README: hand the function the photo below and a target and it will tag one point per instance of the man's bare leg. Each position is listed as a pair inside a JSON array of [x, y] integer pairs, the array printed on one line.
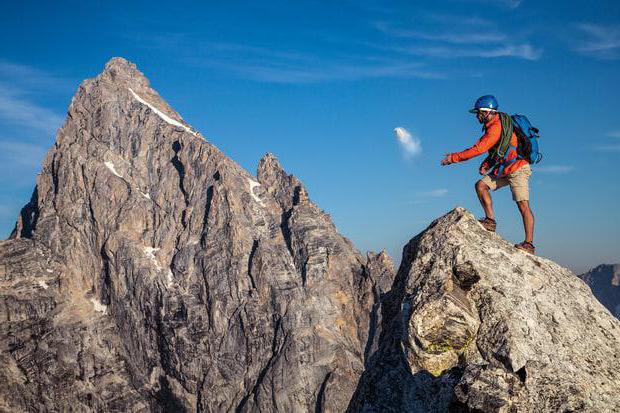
[[528, 220], [484, 196]]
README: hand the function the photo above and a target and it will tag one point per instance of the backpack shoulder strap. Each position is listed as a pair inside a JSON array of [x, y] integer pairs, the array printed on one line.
[[507, 130], [501, 147]]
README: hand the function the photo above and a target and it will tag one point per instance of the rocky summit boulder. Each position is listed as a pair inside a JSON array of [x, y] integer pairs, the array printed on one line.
[[473, 324], [150, 272]]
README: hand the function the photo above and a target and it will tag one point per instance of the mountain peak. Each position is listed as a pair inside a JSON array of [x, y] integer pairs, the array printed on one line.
[[119, 68], [604, 281], [157, 274]]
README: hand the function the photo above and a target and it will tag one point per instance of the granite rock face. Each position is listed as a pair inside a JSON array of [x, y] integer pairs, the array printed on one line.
[[473, 324], [150, 272], [604, 281]]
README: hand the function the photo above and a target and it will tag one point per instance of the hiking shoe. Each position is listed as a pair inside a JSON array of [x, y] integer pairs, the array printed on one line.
[[527, 247], [488, 224]]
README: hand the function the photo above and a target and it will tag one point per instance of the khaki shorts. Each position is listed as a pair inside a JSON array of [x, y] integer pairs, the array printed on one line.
[[518, 181]]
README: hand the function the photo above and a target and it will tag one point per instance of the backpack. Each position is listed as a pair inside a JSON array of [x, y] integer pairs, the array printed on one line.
[[528, 139], [527, 142]]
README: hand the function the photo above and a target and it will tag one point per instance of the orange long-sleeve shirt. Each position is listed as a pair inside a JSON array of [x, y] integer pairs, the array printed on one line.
[[492, 135]]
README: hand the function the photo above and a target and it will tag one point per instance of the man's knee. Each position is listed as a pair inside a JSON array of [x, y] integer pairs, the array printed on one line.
[[481, 187], [524, 206]]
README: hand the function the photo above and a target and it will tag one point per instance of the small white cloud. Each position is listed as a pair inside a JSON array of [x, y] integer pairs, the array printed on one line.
[[614, 134], [410, 144], [435, 193], [554, 169]]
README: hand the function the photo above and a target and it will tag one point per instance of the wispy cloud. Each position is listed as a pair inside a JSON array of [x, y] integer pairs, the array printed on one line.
[[608, 148], [297, 72], [454, 36], [288, 67], [21, 154], [554, 169], [435, 193], [372, 6], [602, 42], [522, 51], [426, 197], [458, 20], [508, 4], [511, 4], [614, 147], [19, 163], [27, 77], [275, 65], [449, 36], [27, 114], [28, 126], [410, 144], [17, 84]]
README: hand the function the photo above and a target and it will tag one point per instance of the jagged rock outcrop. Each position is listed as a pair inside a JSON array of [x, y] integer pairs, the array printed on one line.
[[473, 324], [150, 272], [604, 281]]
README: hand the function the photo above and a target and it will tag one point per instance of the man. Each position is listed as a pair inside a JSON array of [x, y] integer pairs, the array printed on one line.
[[514, 171]]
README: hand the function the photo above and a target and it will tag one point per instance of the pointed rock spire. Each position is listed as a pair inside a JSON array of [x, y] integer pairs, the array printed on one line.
[[287, 189]]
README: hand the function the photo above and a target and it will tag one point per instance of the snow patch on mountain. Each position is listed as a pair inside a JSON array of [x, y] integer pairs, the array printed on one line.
[[111, 167], [161, 114], [254, 184]]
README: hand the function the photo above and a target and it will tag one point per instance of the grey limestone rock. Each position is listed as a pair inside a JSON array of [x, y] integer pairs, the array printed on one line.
[[150, 272], [473, 324]]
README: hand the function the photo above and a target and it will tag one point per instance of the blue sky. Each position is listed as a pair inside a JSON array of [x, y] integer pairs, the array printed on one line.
[[323, 85]]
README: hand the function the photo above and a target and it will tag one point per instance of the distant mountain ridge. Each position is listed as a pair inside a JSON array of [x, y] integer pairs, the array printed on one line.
[[604, 280]]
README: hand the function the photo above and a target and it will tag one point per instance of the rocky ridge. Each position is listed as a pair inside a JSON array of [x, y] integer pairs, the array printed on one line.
[[150, 272], [604, 280]]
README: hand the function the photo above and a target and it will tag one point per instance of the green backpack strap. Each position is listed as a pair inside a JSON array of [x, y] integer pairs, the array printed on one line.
[[499, 150]]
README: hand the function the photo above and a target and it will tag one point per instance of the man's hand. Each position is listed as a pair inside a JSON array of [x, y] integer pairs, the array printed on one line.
[[446, 160]]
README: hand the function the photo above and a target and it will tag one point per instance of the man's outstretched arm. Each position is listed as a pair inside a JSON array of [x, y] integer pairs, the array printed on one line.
[[486, 142]]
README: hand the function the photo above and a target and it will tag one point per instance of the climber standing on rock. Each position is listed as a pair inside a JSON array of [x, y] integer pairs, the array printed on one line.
[[503, 166]]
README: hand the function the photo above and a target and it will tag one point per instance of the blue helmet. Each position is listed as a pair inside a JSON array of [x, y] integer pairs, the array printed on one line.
[[486, 103]]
